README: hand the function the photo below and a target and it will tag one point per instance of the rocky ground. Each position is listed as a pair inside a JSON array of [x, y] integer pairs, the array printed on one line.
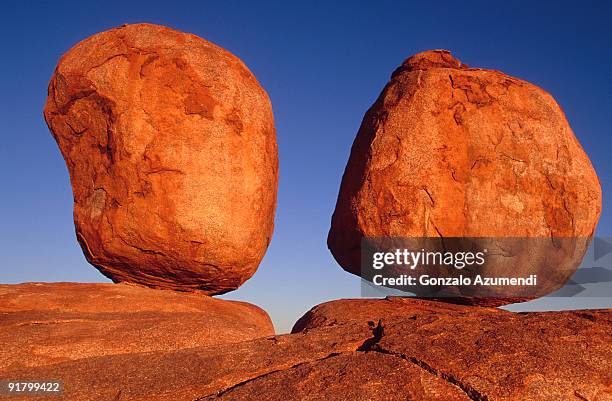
[[46, 324], [387, 349]]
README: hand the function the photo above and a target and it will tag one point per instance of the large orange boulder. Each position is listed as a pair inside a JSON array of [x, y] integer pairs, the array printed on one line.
[[449, 151], [170, 145]]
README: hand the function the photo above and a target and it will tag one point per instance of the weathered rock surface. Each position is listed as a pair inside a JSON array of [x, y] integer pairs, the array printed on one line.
[[392, 349], [451, 151], [45, 324], [170, 145]]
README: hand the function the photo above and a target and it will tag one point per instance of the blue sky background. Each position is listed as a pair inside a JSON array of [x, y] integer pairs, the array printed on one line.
[[323, 64]]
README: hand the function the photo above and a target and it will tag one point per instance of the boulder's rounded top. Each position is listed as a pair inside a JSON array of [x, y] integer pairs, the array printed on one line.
[[144, 28], [431, 59]]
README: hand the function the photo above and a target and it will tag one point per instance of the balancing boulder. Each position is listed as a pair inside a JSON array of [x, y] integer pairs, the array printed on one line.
[[449, 151], [171, 149]]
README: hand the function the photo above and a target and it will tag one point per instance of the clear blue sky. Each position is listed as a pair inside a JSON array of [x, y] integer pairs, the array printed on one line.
[[323, 65]]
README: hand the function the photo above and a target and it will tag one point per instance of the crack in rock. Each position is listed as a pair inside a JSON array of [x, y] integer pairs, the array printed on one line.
[[373, 345], [220, 393]]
